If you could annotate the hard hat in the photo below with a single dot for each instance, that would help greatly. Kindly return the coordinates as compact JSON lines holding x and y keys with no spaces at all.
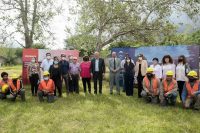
{"x":169,"y":73}
{"x":46,"y":73}
{"x":150,"y":69}
{"x":192,"y":74}
{"x":15,"y":76}
{"x":4,"y":88}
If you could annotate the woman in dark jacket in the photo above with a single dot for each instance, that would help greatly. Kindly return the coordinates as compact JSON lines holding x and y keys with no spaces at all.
{"x":129,"y":76}
{"x":55,"y":75}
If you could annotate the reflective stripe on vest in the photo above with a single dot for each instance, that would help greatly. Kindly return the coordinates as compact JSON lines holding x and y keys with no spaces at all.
{"x":168,"y":88}
{"x":155,"y":84}
{"x":193,"y":89}
{"x":18,"y":85}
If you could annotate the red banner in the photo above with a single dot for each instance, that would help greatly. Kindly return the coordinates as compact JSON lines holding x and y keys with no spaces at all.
{"x":40,"y":54}
{"x":28,"y":54}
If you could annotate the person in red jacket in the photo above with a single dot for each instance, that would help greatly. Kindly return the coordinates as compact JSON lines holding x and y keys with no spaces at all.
{"x":46,"y":88}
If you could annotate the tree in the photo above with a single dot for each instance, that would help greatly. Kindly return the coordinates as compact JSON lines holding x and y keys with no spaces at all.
{"x":39,"y":46}
{"x":29,"y":19}
{"x":115,"y":20}
{"x":81,"y":43}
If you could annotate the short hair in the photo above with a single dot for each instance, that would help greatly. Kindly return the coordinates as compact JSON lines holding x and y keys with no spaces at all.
{"x":3,"y":74}
{"x":167,"y":56}
{"x":86,"y":58}
{"x":63,"y":55}
{"x":55,"y":58}
{"x":184,"y":59}
{"x":96,"y":52}
{"x":155,"y":59}
{"x":48,"y":54}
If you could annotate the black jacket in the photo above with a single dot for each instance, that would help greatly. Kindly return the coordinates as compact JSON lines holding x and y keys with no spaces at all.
{"x":102,"y":67}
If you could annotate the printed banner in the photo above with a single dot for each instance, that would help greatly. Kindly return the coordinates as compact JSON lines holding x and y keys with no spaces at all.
{"x":40,"y":54}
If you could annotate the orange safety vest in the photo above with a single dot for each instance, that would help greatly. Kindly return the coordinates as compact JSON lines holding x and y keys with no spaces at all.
{"x":48,"y":86}
{"x":169,"y":87}
{"x":10,"y":84}
{"x":18,"y":85}
{"x":193,"y":89}
{"x":155,"y":84}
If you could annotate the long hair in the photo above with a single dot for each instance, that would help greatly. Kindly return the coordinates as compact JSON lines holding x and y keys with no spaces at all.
{"x":169,"y":57}
{"x":184,"y":59}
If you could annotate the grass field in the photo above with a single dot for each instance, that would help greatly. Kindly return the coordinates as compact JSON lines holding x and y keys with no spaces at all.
{"x":94,"y":114}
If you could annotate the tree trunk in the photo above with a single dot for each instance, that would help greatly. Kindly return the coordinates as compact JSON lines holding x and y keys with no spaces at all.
{"x":28,"y":41}
{"x":99,"y":41}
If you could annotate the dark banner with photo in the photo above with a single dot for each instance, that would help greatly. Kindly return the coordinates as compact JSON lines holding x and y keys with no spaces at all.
{"x":191,"y":52}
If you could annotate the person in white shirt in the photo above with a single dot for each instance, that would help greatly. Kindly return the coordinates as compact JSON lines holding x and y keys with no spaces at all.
{"x":167,"y":65}
{"x":157,"y":68}
{"x":46,"y":63}
{"x":182,"y":70}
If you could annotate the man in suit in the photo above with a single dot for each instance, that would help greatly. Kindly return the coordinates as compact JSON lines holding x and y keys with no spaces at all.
{"x":97,"y":70}
{"x":114,"y":67}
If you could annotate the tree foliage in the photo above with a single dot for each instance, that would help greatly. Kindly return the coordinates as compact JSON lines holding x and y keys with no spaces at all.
{"x":28,"y":19}
{"x":129,"y":20}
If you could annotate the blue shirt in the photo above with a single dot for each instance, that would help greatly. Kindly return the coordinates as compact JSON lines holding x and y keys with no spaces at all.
{"x":64,"y":65}
{"x":46,"y":64}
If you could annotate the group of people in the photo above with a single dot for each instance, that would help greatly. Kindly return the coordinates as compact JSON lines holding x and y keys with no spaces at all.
{"x":156,"y":84}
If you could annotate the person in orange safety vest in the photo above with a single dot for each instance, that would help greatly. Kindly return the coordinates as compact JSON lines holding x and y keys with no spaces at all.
{"x":11,"y":88}
{"x":151,"y":85}
{"x":168,"y":90}
{"x":46,"y":88}
{"x":191,"y":92}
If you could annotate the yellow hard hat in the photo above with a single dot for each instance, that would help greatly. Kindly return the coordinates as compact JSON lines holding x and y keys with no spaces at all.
{"x":4,"y":88}
{"x":192,"y":74}
{"x":15,"y":76}
{"x":150,"y":69}
{"x":46,"y":73}
{"x":169,"y":73}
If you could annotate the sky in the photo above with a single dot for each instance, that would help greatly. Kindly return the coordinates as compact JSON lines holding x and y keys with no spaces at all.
{"x":62,"y":21}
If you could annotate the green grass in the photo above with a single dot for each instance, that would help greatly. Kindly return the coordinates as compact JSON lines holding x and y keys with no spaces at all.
{"x":12,"y":69}
{"x":89,"y":113}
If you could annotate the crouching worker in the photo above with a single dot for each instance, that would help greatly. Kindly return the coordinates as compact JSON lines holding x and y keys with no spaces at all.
{"x":168,"y":90}
{"x":191,"y":92}
{"x":46,"y":88}
{"x":10,"y":89}
{"x":151,"y":86}
{"x":17,"y":87}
